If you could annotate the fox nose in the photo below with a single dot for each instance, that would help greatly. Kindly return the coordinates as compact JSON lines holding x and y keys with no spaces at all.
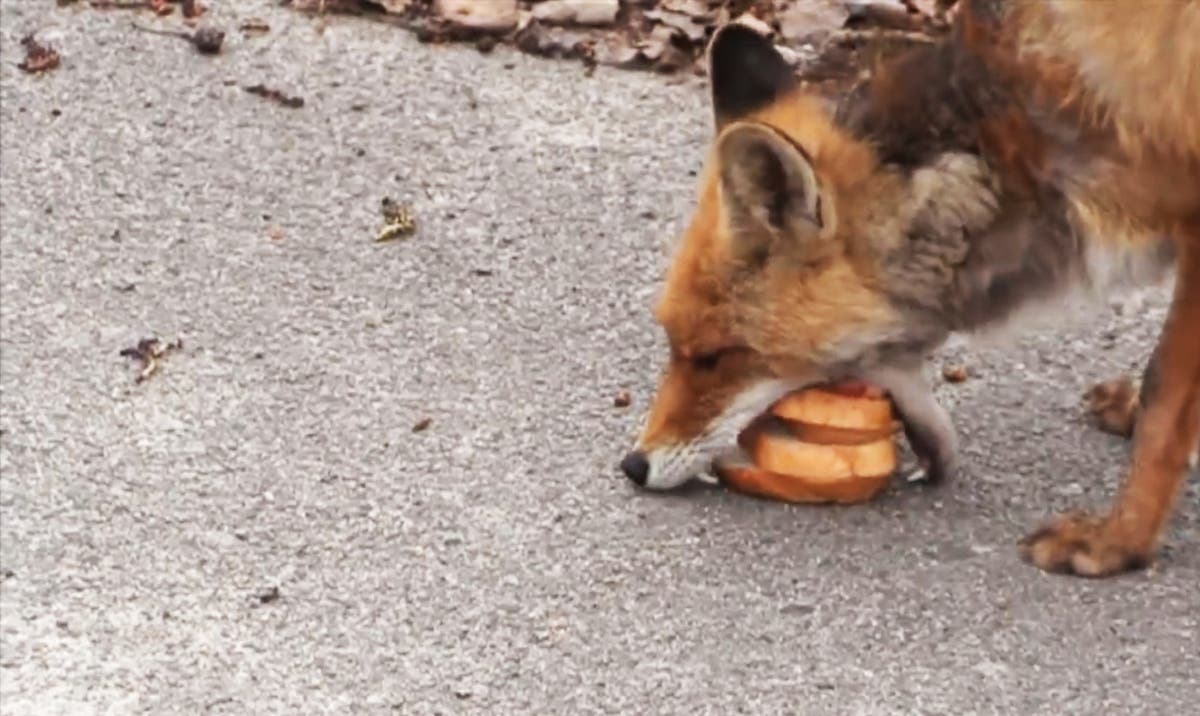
{"x":636,"y":467}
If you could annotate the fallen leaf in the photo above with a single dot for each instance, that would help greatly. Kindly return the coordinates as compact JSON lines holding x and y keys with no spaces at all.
{"x":150,"y":351}
{"x":399,"y":219}
{"x":686,"y":25}
{"x":38,"y":57}
{"x":396,"y":7}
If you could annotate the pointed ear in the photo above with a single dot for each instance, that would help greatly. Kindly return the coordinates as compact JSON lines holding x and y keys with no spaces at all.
{"x":769,"y":191}
{"x":746,"y":72}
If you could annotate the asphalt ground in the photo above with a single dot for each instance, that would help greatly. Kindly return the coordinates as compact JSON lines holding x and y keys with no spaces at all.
{"x":257,"y":529}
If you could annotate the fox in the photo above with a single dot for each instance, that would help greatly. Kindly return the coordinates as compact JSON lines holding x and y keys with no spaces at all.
{"x":1035,"y":151}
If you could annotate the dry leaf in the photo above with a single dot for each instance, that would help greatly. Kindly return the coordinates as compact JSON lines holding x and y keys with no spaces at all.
{"x":38,"y":57}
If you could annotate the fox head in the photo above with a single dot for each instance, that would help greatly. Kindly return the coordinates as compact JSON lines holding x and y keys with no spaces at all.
{"x":790,"y":272}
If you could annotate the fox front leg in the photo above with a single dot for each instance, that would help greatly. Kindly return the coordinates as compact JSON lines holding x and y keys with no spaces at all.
{"x":927,"y":426}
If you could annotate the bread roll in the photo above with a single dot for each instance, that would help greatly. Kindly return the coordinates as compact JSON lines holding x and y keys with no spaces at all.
{"x":817,"y":446}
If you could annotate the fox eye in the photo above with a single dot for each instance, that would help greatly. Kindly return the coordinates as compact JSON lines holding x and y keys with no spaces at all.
{"x":707,"y":361}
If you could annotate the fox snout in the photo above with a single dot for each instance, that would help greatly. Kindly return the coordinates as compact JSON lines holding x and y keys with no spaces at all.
{"x":686,"y":430}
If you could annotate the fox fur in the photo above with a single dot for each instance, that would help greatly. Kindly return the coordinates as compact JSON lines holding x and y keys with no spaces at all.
{"x":1041,"y":148}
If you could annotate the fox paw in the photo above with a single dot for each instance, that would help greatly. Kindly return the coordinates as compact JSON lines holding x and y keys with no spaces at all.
{"x":1082,"y":545}
{"x":1113,"y":406}
{"x":937,"y":458}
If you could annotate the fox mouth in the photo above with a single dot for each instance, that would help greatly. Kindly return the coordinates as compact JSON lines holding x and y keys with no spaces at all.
{"x":770,"y":423}
{"x":924,"y":423}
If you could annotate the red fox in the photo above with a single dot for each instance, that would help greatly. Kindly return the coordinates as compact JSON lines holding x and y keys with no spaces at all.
{"x":1038,"y":148}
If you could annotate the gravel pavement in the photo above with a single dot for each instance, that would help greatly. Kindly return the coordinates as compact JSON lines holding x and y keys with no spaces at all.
{"x":258,"y":529}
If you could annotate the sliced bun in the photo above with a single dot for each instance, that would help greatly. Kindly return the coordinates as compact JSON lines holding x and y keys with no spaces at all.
{"x":745,"y":477}
{"x":817,"y":463}
{"x":826,"y":408}
{"x":823,"y":435}
{"x":820,"y":445}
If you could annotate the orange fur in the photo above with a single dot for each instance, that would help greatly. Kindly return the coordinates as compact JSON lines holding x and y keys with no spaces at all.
{"x":818,"y":244}
{"x":800,"y":315}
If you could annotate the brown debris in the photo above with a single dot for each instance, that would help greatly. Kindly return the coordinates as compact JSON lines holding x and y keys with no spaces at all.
{"x":38,"y":57}
{"x":208,"y":40}
{"x":486,"y":44}
{"x":822,"y":38}
{"x":254,"y":26}
{"x":1113,"y":405}
{"x":622,"y":399}
{"x":275,"y":96}
{"x":192,"y":8}
{"x":150,"y":351}
{"x":398,"y":218}
{"x":956,"y":373}
{"x":422,"y":425}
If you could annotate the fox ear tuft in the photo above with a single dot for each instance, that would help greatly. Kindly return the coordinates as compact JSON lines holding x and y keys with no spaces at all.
{"x":769,"y":190}
{"x":746,"y":71}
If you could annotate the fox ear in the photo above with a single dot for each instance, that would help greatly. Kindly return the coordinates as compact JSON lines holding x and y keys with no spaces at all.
{"x":769,"y":190}
{"x":746,"y":72}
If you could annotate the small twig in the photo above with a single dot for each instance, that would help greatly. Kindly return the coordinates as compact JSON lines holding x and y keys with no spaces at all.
{"x":276,"y":95}
{"x":207,"y":40}
{"x":120,"y":4}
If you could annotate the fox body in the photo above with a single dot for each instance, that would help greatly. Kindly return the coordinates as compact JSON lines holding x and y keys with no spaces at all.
{"x":1040,"y":149}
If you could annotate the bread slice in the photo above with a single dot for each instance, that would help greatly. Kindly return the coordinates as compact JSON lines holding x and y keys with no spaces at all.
{"x":744,"y":476}
{"x":816,"y":406}
{"x":813,"y":462}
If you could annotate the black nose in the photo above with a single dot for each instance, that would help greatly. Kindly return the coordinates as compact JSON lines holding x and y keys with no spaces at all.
{"x":636,"y":468}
